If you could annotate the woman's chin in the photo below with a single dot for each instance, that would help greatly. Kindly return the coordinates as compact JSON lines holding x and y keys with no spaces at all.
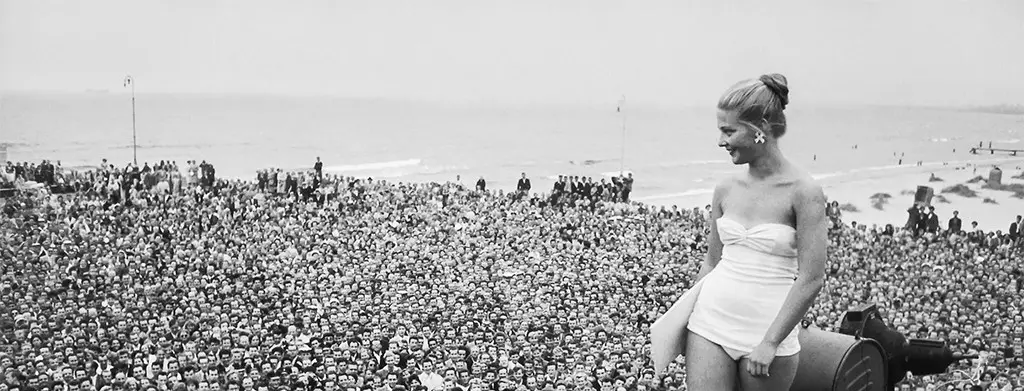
{"x":736,"y":158}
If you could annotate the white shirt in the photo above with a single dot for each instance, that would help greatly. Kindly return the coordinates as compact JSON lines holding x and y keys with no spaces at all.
{"x":432,"y":380}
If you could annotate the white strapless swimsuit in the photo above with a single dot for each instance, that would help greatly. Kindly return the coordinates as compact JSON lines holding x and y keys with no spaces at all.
{"x":744,"y":293}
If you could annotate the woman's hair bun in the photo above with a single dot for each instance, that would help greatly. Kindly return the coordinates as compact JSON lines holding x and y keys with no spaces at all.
{"x":778,"y":85}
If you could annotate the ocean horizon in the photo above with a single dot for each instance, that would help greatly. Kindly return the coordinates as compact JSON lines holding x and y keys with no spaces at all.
{"x":672,"y":152}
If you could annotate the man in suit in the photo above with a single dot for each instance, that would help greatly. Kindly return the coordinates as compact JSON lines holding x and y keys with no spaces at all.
{"x":913,"y":218}
{"x":1015,"y":229}
{"x":627,"y":187}
{"x":558,"y":190}
{"x":931,"y":221}
{"x":586,"y":188}
{"x":559,"y":186}
{"x":954,"y":223}
{"x":922,"y":220}
{"x":524,"y":185}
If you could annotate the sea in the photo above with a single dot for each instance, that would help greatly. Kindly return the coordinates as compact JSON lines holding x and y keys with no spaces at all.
{"x":671,"y":152}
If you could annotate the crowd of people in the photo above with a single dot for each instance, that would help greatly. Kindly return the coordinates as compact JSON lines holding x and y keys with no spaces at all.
{"x":227,"y":285}
{"x":107,"y":179}
{"x":574,"y":190}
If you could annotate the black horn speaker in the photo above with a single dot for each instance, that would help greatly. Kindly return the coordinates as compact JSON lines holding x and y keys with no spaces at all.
{"x":833,"y":361}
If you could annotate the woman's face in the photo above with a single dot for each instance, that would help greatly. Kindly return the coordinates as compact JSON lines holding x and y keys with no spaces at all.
{"x":737,"y":137}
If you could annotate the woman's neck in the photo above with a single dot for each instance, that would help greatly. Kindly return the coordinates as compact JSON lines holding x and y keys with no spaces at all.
{"x":768,"y":164}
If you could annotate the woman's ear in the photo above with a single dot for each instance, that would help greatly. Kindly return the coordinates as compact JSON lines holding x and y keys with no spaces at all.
{"x":765,"y":127}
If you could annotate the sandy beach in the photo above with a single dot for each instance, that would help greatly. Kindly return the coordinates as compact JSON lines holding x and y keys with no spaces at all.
{"x":993,"y":209}
{"x":855,"y":191}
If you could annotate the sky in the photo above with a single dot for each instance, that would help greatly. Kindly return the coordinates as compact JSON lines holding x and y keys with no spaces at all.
{"x":667,"y":53}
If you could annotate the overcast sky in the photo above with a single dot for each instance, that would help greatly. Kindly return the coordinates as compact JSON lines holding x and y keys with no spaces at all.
{"x":929,"y":52}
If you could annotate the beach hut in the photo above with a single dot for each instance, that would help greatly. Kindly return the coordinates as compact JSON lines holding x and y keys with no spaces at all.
{"x":995,"y":177}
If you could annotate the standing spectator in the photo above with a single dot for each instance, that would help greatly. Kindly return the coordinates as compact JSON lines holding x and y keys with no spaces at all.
{"x":524,"y":185}
{"x":559,"y":186}
{"x":1015,"y":229}
{"x":922,"y":220}
{"x":835,"y":215}
{"x":319,"y":168}
{"x":627,"y":187}
{"x":954,"y":223}
{"x":481,"y":184}
{"x":913,"y":218}
{"x":931,"y":221}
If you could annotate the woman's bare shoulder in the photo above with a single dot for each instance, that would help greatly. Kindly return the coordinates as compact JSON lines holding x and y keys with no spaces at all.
{"x":725,"y":185}
{"x":806,"y":189}
{"x":801,"y":180}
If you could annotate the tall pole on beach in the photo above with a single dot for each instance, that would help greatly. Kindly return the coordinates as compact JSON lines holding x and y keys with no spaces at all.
{"x":135,"y":155}
{"x":622,"y":157}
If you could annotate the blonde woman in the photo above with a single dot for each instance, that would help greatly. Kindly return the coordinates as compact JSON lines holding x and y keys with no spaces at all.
{"x":766,"y":254}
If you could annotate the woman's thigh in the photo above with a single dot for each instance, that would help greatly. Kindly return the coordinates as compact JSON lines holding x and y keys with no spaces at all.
{"x":782,"y":371}
{"x":708,"y":367}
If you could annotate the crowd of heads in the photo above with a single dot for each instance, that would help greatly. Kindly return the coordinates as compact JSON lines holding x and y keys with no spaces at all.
{"x":420,"y":287}
{"x":959,"y":286}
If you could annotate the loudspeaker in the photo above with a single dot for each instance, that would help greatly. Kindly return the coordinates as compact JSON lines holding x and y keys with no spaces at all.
{"x":924,"y":195}
{"x":833,"y":361}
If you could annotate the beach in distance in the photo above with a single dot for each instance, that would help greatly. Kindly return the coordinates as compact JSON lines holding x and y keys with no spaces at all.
{"x":855,"y":151}
{"x":880,"y":196}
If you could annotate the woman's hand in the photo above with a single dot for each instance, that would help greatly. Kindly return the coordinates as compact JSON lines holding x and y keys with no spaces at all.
{"x":759,"y":360}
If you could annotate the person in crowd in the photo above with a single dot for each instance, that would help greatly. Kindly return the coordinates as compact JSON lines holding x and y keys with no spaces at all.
{"x":627,"y":187}
{"x":835,"y":214}
{"x":1014,"y":232}
{"x":913,"y":217}
{"x":954,"y":225}
{"x":523,"y":186}
{"x":931,"y":221}
{"x":766,"y":252}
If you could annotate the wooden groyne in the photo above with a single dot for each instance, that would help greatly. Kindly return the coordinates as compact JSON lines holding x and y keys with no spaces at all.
{"x":981,"y":148}
{"x":992,"y":151}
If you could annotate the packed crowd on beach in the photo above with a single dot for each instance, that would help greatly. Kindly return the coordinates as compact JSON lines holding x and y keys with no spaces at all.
{"x":187,"y":282}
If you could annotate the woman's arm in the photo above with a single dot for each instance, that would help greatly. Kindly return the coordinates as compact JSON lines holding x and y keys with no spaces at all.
{"x":811,"y":243}
{"x":714,"y":242}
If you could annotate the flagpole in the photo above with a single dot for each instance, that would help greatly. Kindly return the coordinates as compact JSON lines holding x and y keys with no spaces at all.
{"x":135,"y":143}
{"x":622,"y":157}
